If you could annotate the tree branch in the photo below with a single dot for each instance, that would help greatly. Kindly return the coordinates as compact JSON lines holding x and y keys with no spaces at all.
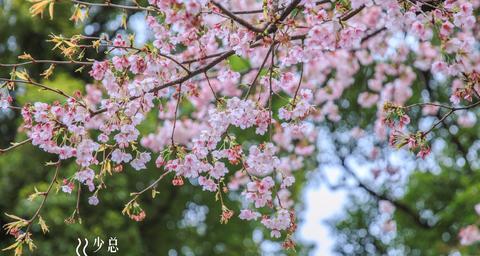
{"x":236,"y":18}
{"x":400,"y":205}
{"x":125,"y":7}
{"x":46,"y":61}
{"x":45,"y":196}
{"x":15,"y":145}
{"x":44,"y":87}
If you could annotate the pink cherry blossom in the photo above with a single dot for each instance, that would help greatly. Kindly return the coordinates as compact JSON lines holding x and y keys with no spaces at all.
{"x":469,"y":235}
{"x":247,"y":214}
{"x":139,"y":162}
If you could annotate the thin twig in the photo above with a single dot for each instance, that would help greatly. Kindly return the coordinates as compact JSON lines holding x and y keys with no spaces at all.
{"x":451,"y":111}
{"x":73,"y":62}
{"x":47,"y":88}
{"x":299,"y":83}
{"x":176,"y":111}
{"x":252,"y":85}
{"x":237,"y":19}
{"x":125,"y":7}
{"x":151,"y":185}
{"x":15,"y":145}
{"x":270,"y":97}
{"x":77,"y":207}
{"x":45,"y":196}
{"x":211,"y":88}
{"x":44,"y":87}
{"x":429,"y":104}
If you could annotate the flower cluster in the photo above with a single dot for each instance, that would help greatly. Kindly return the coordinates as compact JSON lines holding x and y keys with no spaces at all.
{"x":414,"y":142}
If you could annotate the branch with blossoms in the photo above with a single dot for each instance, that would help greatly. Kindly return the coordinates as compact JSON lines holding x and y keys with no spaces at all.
{"x":396,"y":118}
{"x":456,"y":141}
{"x":298,"y":58}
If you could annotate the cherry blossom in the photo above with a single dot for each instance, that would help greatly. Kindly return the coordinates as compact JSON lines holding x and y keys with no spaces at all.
{"x":469,"y":235}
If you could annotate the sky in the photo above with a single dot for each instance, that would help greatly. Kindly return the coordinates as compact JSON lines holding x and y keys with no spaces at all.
{"x":321,"y":204}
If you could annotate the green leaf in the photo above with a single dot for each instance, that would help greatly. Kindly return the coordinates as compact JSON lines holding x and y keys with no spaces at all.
{"x":238,"y":64}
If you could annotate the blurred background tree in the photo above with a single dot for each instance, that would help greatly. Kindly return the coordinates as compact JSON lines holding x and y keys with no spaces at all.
{"x":434,"y":199}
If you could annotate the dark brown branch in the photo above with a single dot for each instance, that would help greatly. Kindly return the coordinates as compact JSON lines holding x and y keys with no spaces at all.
{"x":202,"y":58}
{"x":236,"y":18}
{"x":249,"y":12}
{"x":373,"y":34}
{"x":378,"y":196}
{"x":352,"y":13}
{"x":450,"y":112}
{"x":272,"y":27}
{"x":281,"y":8}
{"x":182,"y":79}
